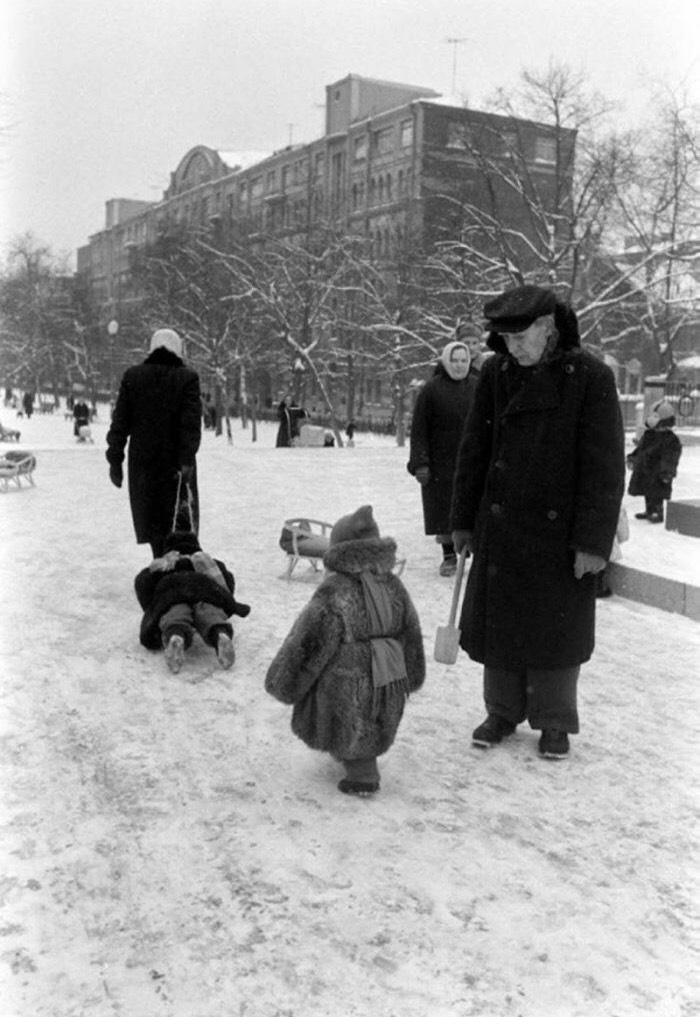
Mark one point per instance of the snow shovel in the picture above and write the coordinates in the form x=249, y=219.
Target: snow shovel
x=447, y=636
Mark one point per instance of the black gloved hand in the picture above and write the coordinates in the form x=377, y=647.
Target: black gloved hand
x=186, y=472
x=422, y=475
x=116, y=475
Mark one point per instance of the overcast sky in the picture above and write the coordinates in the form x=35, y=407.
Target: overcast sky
x=102, y=98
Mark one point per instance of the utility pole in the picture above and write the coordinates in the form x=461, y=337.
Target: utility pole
x=291, y=132
x=455, y=43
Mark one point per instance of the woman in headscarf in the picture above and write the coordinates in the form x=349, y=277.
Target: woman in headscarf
x=441, y=409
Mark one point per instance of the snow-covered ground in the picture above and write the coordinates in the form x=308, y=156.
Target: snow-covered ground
x=169, y=848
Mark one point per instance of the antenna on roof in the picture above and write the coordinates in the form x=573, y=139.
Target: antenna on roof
x=291, y=131
x=455, y=43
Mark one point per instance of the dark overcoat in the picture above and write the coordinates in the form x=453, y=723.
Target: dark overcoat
x=158, y=591
x=441, y=409
x=324, y=665
x=655, y=456
x=540, y=474
x=158, y=411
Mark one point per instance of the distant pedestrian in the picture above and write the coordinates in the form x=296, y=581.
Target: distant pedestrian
x=81, y=416
x=654, y=462
x=472, y=337
x=158, y=412
x=442, y=406
x=353, y=655
x=350, y=433
x=28, y=403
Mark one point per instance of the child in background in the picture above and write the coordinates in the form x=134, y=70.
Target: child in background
x=353, y=655
x=654, y=462
x=183, y=592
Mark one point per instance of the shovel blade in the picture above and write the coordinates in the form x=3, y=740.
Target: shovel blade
x=446, y=644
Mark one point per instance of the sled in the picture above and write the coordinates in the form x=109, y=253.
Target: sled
x=305, y=538
x=17, y=466
x=313, y=436
x=7, y=434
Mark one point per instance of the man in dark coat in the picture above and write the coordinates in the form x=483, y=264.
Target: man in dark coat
x=436, y=428
x=158, y=411
x=539, y=482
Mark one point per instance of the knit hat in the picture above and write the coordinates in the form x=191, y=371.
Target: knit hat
x=662, y=412
x=183, y=541
x=359, y=525
x=168, y=339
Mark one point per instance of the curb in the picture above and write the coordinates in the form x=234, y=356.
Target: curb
x=667, y=594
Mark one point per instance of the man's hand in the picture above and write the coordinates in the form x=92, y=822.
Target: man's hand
x=186, y=473
x=462, y=539
x=584, y=562
x=116, y=475
x=422, y=475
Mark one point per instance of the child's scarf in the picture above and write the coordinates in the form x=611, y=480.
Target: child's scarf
x=388, y=664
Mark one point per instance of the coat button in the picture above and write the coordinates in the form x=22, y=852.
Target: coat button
x=499, y=464
x=504, y=366
x=552, y=514
x=496, y=509
x=569, y=368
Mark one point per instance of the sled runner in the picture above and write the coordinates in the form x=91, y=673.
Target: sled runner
x=15, y=466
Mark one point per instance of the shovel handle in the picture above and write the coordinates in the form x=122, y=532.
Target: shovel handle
x=458, y=585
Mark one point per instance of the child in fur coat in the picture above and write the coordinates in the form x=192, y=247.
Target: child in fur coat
x=353, y=655
x=184, y=591
x=654, y=462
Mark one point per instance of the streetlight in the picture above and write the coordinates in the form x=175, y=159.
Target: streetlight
x=112, y=329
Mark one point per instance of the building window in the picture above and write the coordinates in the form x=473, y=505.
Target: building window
x=320, y=165
x=388, y=187
x=270, y=182
x=380, y=188
x=243, y=191
x=406, y=133
x=256, y=187
x=545, y=150
x=400, y=182
x=459, y=136
x=383, y=141
x=360, y=149
x=285, y=177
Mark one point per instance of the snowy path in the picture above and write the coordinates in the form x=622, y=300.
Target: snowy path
x=170, y=849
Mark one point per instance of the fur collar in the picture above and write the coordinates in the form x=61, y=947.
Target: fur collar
x=375, y=554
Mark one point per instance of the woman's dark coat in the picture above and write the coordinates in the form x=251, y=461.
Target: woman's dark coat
x=157, y=592
x=655, y=457
x=540, y=473
x=324, y=665
x=441, y=408
x=158, y=411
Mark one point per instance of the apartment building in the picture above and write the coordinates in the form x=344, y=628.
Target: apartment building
x=393, y=158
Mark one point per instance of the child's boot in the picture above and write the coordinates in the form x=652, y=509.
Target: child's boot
x=175, y=652
x=362, y=777
x=225, y=652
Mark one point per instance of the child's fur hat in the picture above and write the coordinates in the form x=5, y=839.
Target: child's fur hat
x=359, y=525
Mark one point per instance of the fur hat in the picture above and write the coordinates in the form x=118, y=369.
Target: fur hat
x=183, y=541
x=168, y=339
x=359, y=525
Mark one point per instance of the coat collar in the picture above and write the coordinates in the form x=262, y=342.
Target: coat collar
x=375, y=554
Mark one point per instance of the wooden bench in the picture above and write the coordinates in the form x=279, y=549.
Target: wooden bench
x=17, y=466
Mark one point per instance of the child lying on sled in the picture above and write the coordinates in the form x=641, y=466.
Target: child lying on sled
x=183, y=592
